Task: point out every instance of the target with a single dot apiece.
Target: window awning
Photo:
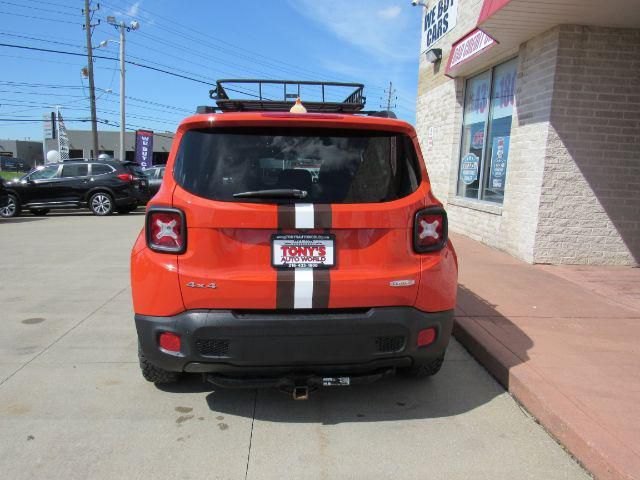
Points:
(512, 22)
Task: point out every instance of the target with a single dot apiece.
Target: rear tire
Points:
(154, 374)
(424, 369)
(101, 204)
(12, 208)
(39, 212)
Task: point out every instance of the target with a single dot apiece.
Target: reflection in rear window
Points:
(332, 166)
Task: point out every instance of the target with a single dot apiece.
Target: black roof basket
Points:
(280, 95)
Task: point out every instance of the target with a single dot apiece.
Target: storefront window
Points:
(486, 132)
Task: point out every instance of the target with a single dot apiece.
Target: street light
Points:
(122, 27)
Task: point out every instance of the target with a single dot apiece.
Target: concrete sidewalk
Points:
(565, 342)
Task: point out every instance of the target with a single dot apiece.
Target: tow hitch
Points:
(298, 385)
(301, 393)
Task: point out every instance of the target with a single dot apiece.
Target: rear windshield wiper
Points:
(273, 193)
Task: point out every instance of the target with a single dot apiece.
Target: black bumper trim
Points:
(278, 343)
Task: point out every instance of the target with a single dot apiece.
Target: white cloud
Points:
(389, 13)
(374, 26)
(132, 11)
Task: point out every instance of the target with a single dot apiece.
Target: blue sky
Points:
(368, 41)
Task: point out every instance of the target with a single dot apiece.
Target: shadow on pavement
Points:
(25, 217)
(460, 387)
(20, 219)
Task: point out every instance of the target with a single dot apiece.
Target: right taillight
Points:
(430, 230)
(166, 230)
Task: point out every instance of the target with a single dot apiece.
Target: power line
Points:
(77, 87)
(26, 37)
(49, 50)
(59, 5)
(39, 18)
(53, 61)
(47, 10)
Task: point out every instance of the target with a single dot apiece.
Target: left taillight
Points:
(430, 230)
(166, 230)
(125, 177)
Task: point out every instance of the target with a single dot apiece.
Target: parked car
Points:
(4, 196)
(13, 164)
(154, 176)
(253, 274)
(103, 187)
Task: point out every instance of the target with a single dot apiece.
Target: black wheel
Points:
(125, 210)
(39, 212)
(12, 208)
(101, 204)
(424, 369)
(154, 374)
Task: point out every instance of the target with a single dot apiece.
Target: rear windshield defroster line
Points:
(332, 166)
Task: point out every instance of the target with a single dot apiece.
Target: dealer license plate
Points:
(336, 381)
(303, 251)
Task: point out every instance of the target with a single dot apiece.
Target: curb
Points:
(592, 446)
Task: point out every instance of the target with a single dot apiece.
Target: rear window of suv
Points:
(332, 166)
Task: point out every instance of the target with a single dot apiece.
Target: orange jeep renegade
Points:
(293, 248)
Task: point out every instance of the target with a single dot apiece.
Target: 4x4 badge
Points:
(201, 285)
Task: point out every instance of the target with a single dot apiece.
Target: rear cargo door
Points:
(254, 241)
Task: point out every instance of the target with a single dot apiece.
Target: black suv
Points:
(102, 186)
(4, 196)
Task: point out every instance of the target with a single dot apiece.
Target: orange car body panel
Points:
(229, 243)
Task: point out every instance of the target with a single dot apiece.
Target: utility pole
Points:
(92, 89)
(391, 98)
(122, 29)
(123, 152)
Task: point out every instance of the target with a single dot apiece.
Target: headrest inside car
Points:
(296, 178)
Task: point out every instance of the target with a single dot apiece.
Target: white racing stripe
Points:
(303, 290)
(304, 215)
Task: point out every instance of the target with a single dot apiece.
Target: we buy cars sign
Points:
(144, 148)
(438, 20)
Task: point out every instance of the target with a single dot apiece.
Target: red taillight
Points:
(426, 337)
(169, 341)
(430, 230)
(166, 230)
(125, 177)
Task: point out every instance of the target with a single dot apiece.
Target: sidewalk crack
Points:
(253, 419)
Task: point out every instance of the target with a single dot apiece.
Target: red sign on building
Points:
(469, 47)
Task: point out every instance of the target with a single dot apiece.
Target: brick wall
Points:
(527, 151)
(443, 126)
(590, 197)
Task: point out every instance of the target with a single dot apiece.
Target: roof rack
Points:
(251, 95)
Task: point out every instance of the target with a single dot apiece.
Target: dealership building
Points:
(28, 152)
(80, 144)
(528, 116)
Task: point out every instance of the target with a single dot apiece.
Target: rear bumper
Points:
(269, 343)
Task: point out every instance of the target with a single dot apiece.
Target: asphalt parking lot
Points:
(74, 405)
